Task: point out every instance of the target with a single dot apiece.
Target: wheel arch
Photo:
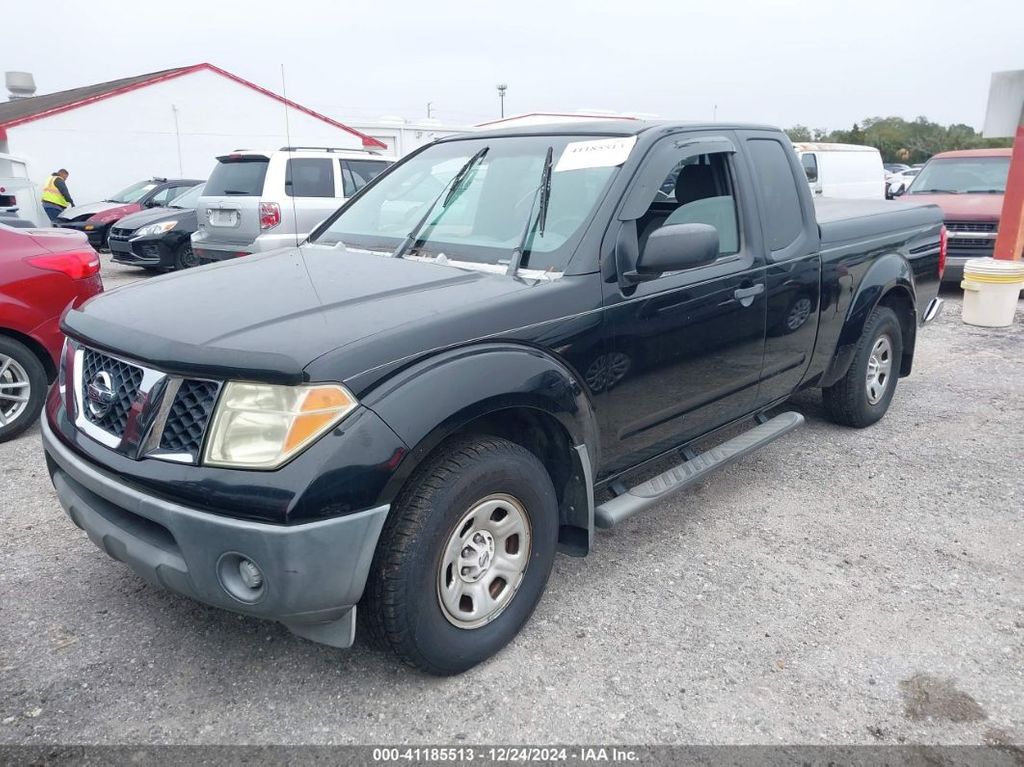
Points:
(889, 282)
(516, 392)
(36, 348)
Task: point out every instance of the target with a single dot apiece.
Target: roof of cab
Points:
(992, 152)
(604, 128)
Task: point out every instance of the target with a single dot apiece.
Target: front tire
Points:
(184, 258)
(464, 556)
(862, 396)
(22, 388)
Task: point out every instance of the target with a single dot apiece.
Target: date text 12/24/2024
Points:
(461, 754)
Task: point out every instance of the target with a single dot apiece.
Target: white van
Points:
(849, 171)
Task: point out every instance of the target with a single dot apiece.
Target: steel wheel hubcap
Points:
(484, 561)
(879, 369)
(15, 389)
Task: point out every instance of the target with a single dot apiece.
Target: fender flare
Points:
(890, 274)
(464, 384)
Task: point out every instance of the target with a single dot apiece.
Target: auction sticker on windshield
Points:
(600, 153)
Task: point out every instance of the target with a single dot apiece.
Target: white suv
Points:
(258, 201)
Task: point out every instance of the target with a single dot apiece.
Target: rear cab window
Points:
(782, 218)
(237, 175)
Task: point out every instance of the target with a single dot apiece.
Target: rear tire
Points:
(862, 396)
(22, 388)
(464, 556)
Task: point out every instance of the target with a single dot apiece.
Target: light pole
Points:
(501, 95)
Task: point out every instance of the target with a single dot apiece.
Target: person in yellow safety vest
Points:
(56, 197)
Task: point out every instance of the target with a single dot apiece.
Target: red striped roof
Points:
(22, 111)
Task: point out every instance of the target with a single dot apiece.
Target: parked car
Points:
(96, 218)
(258, 201)
(397, 415)
(42, 272)
(846, 171)
(968, 185)
(159, 239)
(898, 183)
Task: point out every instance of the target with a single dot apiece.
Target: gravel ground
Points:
(838, 587)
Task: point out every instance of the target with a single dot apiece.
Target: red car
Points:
(968, 185)
(42, 273)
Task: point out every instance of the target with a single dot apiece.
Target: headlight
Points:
(163, 226)
(260, 426)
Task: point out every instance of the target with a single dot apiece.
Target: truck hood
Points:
(963, 207)
(267, 317)
(90, 209)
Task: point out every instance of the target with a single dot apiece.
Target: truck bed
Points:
(843, 220)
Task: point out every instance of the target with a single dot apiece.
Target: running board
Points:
(692, 470)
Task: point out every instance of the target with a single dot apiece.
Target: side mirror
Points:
(675, 247)
(897, 189)
(150, 204)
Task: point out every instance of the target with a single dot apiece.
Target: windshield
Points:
(133, 193)
(482, 217)
(963, 175)
(188, 199)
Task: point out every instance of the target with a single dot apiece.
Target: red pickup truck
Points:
(968, 185)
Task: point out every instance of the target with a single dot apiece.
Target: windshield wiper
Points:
(235, 191)
(934, 191)
(452, 188)
(544, 191)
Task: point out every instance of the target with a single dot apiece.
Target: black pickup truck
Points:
(478, 360)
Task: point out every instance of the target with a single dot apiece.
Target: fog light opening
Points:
(241, 577)
(250, 574)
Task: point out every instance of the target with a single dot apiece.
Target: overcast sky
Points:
(822, 64)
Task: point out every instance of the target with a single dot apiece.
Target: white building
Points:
(405, 136)
(172, 123)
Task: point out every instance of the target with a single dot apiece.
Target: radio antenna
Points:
(289, 192)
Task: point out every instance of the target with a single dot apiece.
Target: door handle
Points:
(742, 294)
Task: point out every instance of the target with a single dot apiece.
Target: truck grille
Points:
(108, 411)
(189, 416)
(970, 226)
(971, 239)
(136, 410)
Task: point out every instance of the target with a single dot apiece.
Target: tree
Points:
(900, 140)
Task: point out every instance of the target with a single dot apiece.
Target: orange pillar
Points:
(1010, 240)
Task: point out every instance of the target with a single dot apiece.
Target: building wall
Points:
(116, 141)
(403, 138)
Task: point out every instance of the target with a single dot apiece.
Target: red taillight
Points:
(943, 249)
(270, 215)
(77, 264)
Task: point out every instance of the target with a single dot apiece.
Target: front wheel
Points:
(464, 556)
(862, 396)
(184, 258)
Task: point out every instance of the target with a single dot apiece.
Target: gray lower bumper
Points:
(313, 574)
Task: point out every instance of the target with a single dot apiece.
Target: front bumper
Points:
(95, 234)
(954, 271)
(313, 573)
(151, 251)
